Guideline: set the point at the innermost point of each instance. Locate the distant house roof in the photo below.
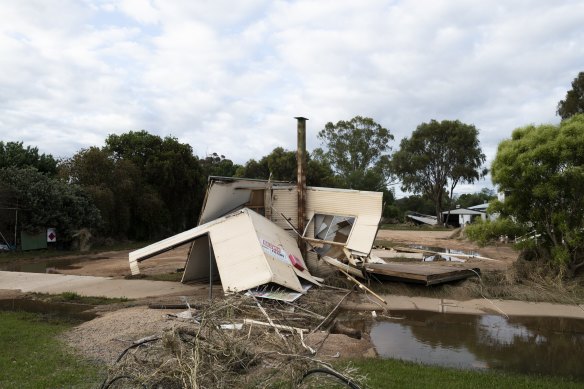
(421, 218)
(480, 207)
(463, 211)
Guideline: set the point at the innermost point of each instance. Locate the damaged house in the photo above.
(248, 233)
(261, 232)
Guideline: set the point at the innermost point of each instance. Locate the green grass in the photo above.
(388, 373)
(32, 356)
(73, 297)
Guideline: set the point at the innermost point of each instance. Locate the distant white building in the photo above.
(463, 216)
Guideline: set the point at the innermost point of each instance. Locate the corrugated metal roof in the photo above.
(463, 211)
(424, 219)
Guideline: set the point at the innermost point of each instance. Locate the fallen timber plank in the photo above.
(419, 273)
(424, 251)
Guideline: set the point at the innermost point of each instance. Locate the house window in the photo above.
(331, 232)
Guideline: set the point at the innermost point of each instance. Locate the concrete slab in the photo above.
(91, 286)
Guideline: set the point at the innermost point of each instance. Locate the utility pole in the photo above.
(301, 180)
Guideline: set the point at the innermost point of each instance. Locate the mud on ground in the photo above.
(106, 336)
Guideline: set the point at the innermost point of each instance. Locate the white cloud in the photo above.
(229, 77)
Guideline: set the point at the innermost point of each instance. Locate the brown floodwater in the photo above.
(530, 345)
(57, 309)
(41, 265)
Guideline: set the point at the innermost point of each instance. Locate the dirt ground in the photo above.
(115, 263)
(106, 336)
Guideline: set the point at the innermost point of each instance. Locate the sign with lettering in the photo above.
(275, 251)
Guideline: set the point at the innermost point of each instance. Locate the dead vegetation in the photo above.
(237, 341)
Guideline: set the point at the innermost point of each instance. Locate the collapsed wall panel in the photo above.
(364, 206)
(247, 249)
(201, 263)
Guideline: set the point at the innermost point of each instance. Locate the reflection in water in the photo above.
(552, 346)
(41, 266)
(63, 310)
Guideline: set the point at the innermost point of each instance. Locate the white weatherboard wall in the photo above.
(364, 206)
(249, 251)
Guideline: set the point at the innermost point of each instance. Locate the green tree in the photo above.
(173, 180)
(469, 199)
(414, 203)
(541, 171)
(115, 185)
(217, 165)
(574, 102)
(14, 154)
(49, 202)
(254, 169)
(357, 151)
(437, 157)
(281, 165)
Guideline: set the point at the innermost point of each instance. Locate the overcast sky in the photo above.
(229, 76)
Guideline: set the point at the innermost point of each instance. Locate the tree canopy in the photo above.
(574, 101)
(357, 150)
(541, 171)
(145, 186)
(171, 174)
(14, 154)
(281, 165)
(469, 199)
(48, 202)
(437, 157)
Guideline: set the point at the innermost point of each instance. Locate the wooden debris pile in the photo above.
(238, 341)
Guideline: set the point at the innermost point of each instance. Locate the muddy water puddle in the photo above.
(530, 345)
(63, 310)
(42, 266)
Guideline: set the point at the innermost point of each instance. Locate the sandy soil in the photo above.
(106, 336)
(115, 263)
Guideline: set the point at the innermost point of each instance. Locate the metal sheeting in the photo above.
(424, 219)
(463, 211)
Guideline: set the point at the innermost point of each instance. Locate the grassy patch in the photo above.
(33, 357)
(73, 297)
(388, 373)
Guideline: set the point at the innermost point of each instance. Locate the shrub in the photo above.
(483, 232)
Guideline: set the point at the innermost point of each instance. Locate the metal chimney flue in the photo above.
(301, 179)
